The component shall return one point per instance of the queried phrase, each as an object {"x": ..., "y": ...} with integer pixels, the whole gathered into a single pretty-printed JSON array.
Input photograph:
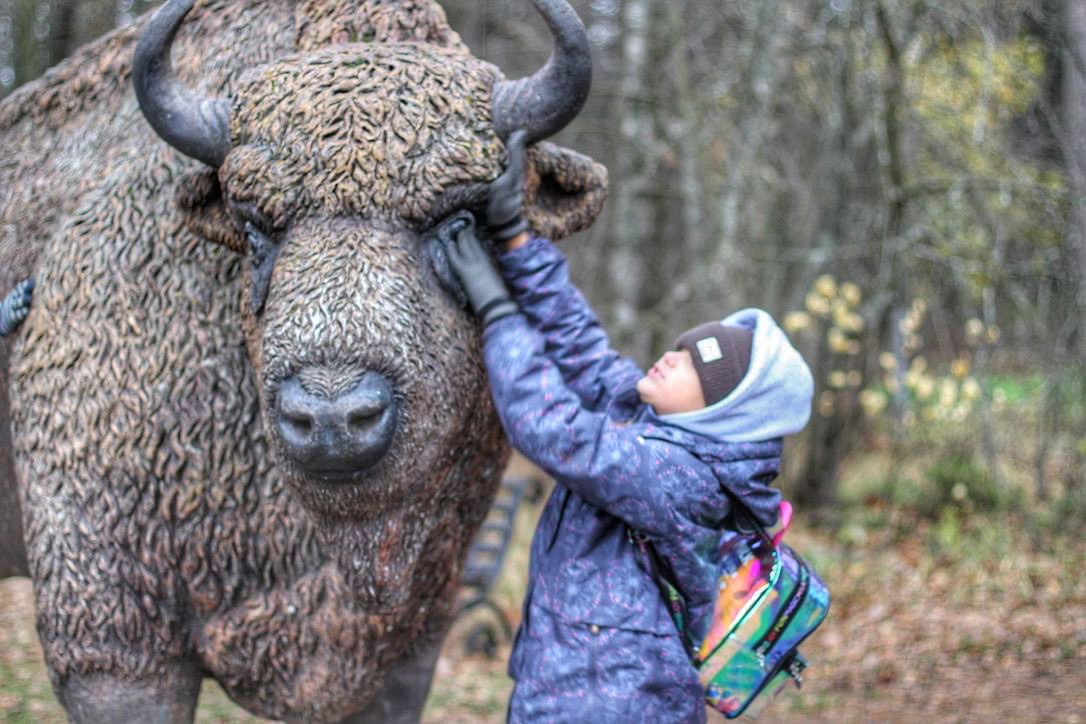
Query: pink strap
[{"x": 784, "y": 523}]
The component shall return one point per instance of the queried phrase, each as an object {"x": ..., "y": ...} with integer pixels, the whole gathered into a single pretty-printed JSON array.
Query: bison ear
[
  {"x": 564, "y": 191},
  {"x": 200, "y": 201}
]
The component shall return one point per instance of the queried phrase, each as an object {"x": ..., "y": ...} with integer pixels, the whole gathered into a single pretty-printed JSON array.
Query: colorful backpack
[{"x": 769, "y": 600}]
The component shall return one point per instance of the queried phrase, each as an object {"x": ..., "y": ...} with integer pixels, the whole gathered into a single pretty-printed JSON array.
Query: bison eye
[{"x": 263, "y": 251}]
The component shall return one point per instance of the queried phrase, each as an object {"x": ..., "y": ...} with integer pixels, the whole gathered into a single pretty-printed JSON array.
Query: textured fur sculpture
[{"x": 250, "y": 428}]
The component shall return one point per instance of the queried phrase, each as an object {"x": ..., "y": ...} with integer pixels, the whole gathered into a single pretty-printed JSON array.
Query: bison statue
[{"x": 250, "y": 431}]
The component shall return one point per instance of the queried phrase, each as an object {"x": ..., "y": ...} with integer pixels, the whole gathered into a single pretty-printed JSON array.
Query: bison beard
[{"x": 168, "y": 533}]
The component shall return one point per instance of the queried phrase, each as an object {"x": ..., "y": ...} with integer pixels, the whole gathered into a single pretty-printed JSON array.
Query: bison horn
[
  {"x": 196, "y": 126},
  {"x": 544, "y": 103}
]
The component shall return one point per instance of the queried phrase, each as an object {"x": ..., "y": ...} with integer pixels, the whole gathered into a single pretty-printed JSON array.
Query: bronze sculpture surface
[{"x": 250, "y": 426}]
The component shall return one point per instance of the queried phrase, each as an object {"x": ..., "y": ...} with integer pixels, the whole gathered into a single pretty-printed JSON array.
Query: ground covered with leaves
[
  {"x": 946, "y": 615},
  {"x": 978, "y": 623}
]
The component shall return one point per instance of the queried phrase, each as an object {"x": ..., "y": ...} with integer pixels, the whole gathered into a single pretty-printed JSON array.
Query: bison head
[{"x": 331, "y": 169}]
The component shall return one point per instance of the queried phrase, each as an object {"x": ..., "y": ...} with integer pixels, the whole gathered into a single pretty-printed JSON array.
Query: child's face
[{"x": 672, "y": 385}]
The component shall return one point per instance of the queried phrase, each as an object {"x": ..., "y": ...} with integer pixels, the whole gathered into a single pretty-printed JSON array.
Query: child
[{"x": 628, "y": 451}]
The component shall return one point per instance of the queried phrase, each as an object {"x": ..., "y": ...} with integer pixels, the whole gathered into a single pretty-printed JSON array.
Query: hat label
[{"x": 709, "y": 349}]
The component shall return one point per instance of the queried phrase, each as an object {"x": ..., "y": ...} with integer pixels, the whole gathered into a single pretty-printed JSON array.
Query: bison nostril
[
  {"x": 300, "y": 424},
  {"x": 364, "y": 419}
]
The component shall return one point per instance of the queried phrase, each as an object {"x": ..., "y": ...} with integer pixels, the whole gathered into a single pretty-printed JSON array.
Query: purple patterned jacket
[{"x": 597, "y": 644}]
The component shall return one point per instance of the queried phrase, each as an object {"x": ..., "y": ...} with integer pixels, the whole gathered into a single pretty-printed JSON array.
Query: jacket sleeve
[
  {"x": 651, "y": 484},
  {"x": 538, "y": 277}
]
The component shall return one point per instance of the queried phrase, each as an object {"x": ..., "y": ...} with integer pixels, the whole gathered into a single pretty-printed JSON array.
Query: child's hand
[
  {"x": 504, "y": 209},
  {"x": 15, "y": 307},
  {"x": 483, "y": 285}
]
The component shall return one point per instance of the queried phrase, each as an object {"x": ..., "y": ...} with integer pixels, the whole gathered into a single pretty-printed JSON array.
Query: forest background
[{"x": 903, "y": 184}]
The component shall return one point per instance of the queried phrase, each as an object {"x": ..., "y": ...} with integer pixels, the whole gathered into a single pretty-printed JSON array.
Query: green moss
[{"x": 1017, "y": 389}]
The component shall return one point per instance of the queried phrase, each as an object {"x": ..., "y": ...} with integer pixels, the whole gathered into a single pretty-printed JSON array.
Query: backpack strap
[
  {"x": 741, "y": 520},
  {"x": 668, "y": 590}
]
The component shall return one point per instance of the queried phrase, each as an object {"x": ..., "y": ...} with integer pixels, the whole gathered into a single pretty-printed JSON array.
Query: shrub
[{"x": 959, "y": 482}]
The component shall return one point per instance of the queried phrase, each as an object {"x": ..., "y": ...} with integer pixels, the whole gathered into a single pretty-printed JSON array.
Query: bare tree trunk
[
  {"x": 685, "y": 138},
  {"x": 756, "y": 101},
  {"x": 629, "y": 219},
  {"x": 1074, "y": 107},
  {"x": 62, "y": 35},
  {"x": 892, "y": 270},
  {"x": 1074, "y": 145},
  {"x": 27, "y": 60}
]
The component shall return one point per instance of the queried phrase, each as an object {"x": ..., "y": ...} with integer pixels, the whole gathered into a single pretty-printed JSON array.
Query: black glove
[
  {"x": 15, "y": 307},
  {"x": 505, "y": 205},
  {"x": 482, "y": 283}
]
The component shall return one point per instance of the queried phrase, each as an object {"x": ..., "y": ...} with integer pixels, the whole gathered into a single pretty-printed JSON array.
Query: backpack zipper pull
[{"x": 795, "y": 669}]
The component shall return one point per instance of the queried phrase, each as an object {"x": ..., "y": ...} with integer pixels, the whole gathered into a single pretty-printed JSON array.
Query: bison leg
[
  {"x": 168, "y": 698},
  {"x": 12, "y": 548},
  {"x": 13, "y": 560},
  {"x": 403, "y": 695}
]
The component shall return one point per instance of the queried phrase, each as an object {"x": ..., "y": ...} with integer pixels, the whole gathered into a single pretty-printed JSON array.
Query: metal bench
[{"x": 485, "y": 559}]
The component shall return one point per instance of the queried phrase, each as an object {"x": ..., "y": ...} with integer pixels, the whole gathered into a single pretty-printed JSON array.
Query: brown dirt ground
[{"x": 912, "y": 636}]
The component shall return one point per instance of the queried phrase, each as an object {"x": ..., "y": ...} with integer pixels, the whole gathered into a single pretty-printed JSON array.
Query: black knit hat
[{"x": 721, "y": 357}]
